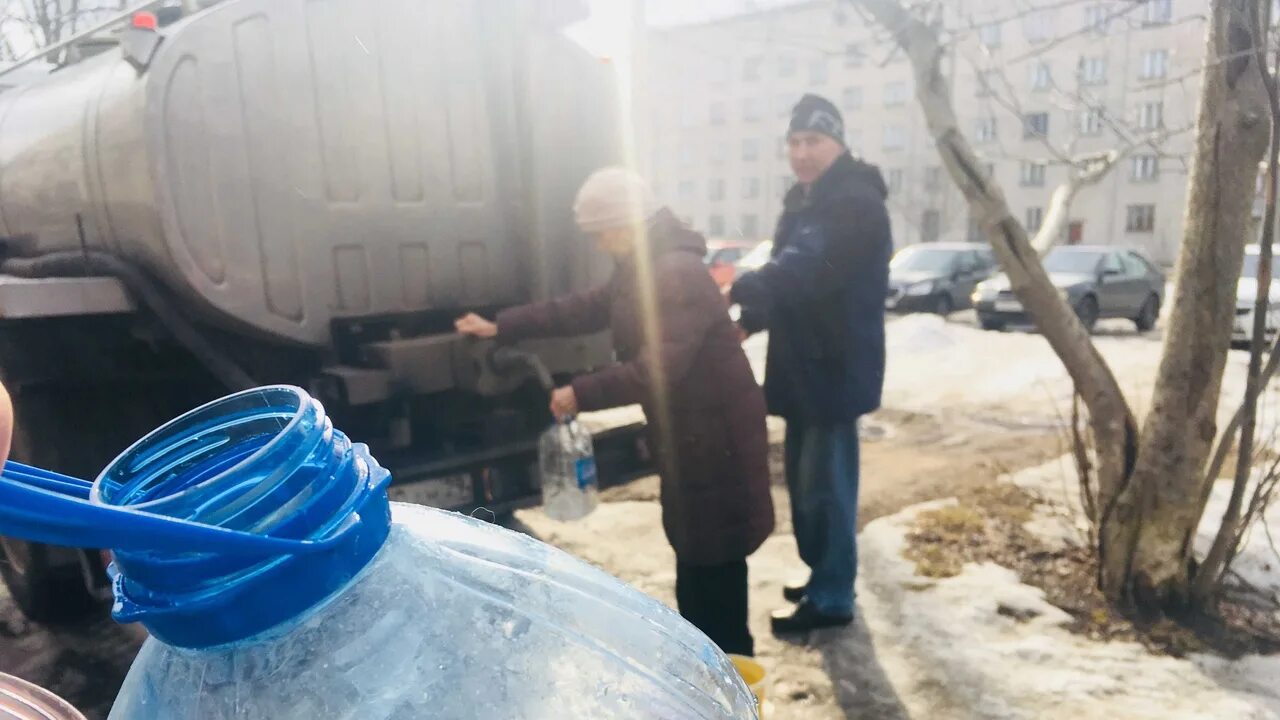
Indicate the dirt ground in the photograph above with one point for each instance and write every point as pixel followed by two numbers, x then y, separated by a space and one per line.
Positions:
pixel 907 458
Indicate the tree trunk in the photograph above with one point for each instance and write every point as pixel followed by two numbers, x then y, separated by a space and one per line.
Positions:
pixel 1142 544
pixel 1111 421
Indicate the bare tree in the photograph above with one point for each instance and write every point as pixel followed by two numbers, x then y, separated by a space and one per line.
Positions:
pixel 1149 479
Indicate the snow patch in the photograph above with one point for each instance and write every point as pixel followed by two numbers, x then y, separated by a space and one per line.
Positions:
pixel 1019 662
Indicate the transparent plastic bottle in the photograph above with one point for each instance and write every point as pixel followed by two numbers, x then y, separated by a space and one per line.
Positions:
pixel 570 489
pixel 256 544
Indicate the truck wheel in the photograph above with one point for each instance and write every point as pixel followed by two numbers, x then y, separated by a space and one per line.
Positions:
pixel 44 590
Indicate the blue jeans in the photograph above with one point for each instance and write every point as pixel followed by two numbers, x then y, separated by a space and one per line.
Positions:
pixel 822 475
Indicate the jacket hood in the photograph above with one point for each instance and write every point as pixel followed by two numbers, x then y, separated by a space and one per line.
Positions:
pixel 668 234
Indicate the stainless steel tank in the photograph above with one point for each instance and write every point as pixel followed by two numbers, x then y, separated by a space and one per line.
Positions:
pixel 286 162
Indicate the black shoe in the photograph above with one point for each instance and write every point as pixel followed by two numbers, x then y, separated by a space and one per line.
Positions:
pixel 804 617
pixel 793 593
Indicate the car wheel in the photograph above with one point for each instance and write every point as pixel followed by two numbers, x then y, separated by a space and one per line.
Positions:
pixel 1148 315
pixel 1087 311
pixel 943 305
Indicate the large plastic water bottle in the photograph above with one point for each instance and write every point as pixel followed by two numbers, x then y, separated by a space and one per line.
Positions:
pixel 256 544
pixel 570 490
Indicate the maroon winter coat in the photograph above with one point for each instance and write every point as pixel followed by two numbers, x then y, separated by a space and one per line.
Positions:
pixel 710 443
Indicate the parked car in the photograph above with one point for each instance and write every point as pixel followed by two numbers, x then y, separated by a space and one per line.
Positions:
pixel 1247 291
pixel 722 259
pixel 1098 281
pixel 937 277
pixel 755 259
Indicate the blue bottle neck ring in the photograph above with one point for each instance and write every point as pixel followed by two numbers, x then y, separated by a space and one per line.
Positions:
pixel 267 462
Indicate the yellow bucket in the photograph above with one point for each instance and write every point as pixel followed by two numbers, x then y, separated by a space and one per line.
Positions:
pixel 753 673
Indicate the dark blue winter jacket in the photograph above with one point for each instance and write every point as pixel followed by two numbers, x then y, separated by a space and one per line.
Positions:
pixel 822 297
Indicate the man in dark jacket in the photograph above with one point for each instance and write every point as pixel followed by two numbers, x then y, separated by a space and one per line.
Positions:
pixel 821 298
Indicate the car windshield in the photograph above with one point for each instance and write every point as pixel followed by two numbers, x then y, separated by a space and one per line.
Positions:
pixel 1073 261
pixel 1251 263
pixel 924 260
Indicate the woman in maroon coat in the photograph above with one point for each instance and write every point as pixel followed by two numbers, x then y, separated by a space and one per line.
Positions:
pixel 680 357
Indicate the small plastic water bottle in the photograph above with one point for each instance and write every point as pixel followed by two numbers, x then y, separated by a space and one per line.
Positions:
pixel 256 544
pixel 570 489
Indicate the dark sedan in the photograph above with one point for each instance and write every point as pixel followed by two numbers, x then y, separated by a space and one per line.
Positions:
pixel 936 277
pixel 1099 282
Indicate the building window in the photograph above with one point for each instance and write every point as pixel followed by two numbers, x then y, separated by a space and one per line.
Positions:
pixel 1035 218
pixel 818 71
pixel 686 189
pixel 1035 125
pixel 750 226
pixel 717 113
pixel 719 153
pixel 975 233
pixel 786 66
pixel 1157 12
pixel 1151 116
pixel 685 154
pixel 750 151
pixel 688 115
pixel 1140 218
pixel 1032 174
pixel 989 35
pixel 751 68
pixel 895 137
pixel 933 178
pixel 895 93
pixel 750 188
pixel 851 98
pixel 715 225
pixel 1144 168
pixel 1155 65
pixel 715 189
pixel 985 130
pixel 1095 18
pixel 1093 71
pixel 1041 76
pixel 854 56
pixel 895 180
pixel 1091 121
pixel 930 226
pixel 750 109
pixel 1038 26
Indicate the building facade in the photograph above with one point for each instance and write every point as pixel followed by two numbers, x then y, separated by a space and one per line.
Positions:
pixel 1035 84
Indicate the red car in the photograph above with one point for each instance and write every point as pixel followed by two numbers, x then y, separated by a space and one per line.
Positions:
pixel 722 259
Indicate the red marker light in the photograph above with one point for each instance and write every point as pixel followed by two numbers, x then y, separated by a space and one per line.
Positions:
pixel 145 21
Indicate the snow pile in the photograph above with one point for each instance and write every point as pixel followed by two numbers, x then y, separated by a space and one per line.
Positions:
pixel 988 664
pixel 1258 564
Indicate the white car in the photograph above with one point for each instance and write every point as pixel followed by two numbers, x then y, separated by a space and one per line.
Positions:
pixel 1246 294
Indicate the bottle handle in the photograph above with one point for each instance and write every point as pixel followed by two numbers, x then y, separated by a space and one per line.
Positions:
pixel 43 506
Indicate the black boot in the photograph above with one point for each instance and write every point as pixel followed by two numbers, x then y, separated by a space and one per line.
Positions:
pixel 804 617
pixel 793 593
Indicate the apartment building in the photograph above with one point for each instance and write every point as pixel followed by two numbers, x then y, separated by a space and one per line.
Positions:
pixel 1035 84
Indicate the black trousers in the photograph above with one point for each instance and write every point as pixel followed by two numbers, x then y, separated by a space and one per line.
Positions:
pixel 714 599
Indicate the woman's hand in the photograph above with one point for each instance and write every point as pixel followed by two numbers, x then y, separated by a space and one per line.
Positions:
pixel 564 402
pixel 476 326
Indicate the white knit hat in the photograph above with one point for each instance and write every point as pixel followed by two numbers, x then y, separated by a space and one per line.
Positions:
pixel 613 197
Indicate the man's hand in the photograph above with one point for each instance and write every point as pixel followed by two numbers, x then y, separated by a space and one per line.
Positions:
pixel 475 326
pixel 564 402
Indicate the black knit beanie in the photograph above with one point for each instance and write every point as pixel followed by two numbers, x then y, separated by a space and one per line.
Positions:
pixel 815 113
